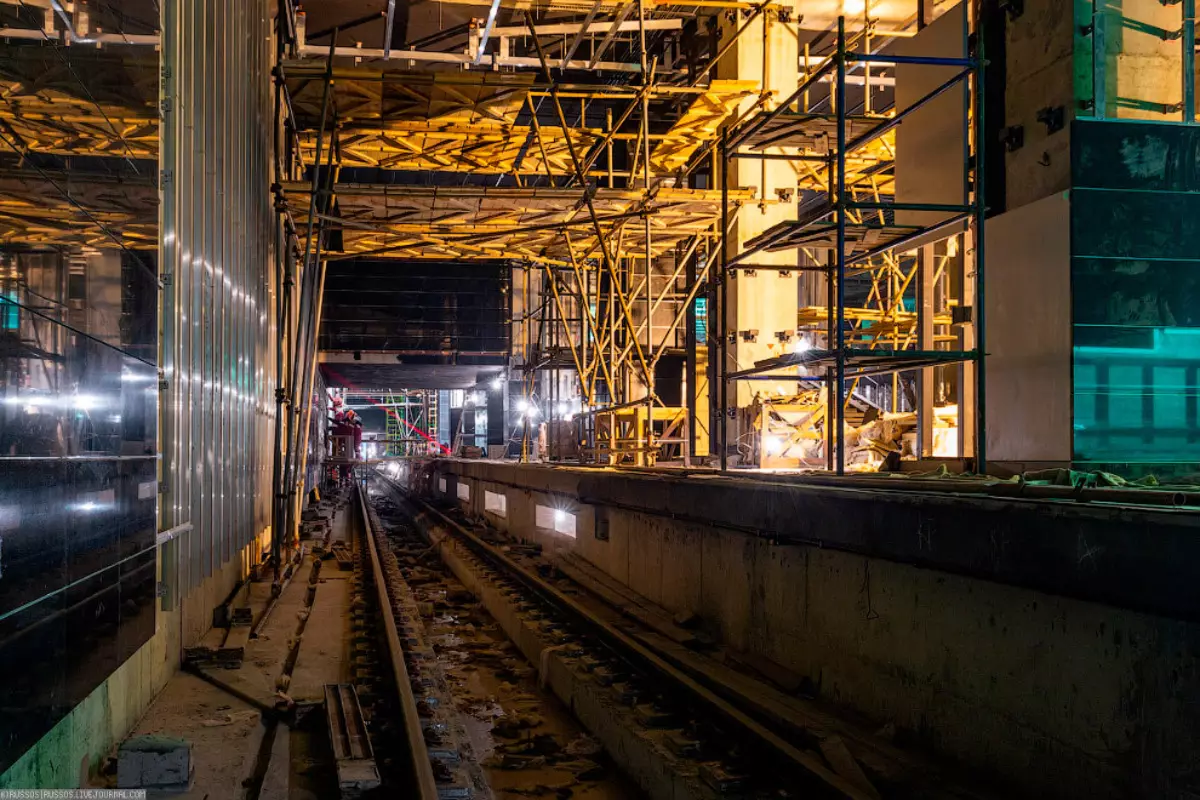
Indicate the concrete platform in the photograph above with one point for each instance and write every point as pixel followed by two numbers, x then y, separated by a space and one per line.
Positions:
pixel 1051 643
pixel 1134 557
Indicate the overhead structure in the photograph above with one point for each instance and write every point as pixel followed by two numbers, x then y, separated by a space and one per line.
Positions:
pixel 604 152
pixel 546 225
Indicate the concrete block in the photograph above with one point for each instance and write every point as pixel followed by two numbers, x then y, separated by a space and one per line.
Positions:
pixel 154 762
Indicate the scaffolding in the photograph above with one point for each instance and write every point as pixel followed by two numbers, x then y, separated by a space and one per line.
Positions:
pixel 604 203
pixel 623 299
pixel 410 427
pixel 850 228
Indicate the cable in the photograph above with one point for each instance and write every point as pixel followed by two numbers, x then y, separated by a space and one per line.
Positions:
pixel 67 196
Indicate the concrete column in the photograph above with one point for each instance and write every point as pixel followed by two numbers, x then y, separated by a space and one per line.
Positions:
pixel 1143 60
pixel 926 378
pixel 761 312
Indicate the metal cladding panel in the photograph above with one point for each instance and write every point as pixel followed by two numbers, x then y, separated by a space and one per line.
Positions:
pixel 1135 291
pixel 218 336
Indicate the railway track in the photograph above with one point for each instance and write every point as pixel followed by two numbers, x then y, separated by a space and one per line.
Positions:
pixel 674 718
pixel 381 669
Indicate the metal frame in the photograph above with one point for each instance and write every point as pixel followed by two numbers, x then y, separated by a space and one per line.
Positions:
pixel 857 233
pixel 603 304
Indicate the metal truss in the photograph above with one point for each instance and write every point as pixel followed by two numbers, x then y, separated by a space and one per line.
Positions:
pixel 593 203
pixel 93 103
pixel 34 213
pixel 591 189
pixel 543 225
pixel 486 123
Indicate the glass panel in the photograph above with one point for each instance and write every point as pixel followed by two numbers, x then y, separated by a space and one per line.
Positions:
pixel 1135 285
pixel 1133 60
pixel 78 347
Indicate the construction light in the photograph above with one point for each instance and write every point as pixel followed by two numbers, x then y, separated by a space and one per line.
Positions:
pixel 773 445
pixel 801 345
pixel 497 383
pixel 561 409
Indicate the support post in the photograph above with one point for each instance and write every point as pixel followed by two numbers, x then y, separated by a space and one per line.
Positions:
pixel 980 239
pixel 282 287
pixel 838 415
pixel 648 81
pixel 720 428
pixel 1189 60
pixel 690 365
pixel 926 378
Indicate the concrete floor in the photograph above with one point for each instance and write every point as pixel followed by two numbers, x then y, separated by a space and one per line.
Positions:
pixel 228 735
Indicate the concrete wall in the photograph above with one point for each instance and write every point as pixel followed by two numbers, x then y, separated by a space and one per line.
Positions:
pixel 1043 50
pixel 1052 695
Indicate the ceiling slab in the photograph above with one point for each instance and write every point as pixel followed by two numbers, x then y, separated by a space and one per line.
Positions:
pixel 405 376
pixel 535 223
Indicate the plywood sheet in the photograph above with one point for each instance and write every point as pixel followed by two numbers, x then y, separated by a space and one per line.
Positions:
pixel 1028 299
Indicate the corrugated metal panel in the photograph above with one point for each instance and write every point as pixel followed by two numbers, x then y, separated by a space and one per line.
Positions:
pixel 218 331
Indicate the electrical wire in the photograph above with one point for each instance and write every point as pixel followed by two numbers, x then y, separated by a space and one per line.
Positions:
pixel 67 196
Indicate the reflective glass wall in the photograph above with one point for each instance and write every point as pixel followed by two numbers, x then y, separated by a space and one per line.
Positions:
pixel 135 143
pixel 1135 286
pixel 78 351
pixel 78 487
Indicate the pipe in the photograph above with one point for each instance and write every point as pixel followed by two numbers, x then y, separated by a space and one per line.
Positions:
pixel 277 510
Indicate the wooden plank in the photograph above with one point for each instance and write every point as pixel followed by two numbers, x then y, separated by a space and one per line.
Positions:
pixel 233 650
pixel 844 764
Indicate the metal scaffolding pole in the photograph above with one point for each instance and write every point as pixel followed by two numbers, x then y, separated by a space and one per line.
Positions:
pixel 980 209
pixel 303 340
pixel 720 428
pixel 282 289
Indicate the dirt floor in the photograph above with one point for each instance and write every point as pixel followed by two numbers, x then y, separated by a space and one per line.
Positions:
pixel 524 739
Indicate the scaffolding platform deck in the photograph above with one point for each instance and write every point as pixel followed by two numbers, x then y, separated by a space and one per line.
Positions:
pixel 859 363
pixel 807 131
pixel 865 237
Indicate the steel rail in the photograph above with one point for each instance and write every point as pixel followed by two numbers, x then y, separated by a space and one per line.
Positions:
pixel 418 754
pixel 824 781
